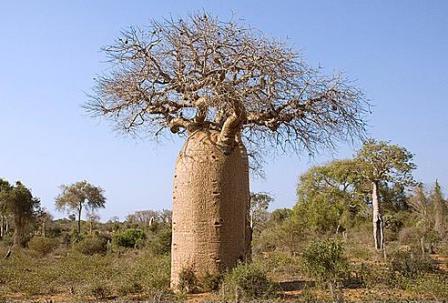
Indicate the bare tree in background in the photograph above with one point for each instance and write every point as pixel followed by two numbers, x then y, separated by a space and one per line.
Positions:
pixel 225 87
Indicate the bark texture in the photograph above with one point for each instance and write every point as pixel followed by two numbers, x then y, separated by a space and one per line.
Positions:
pixel 210 203
pixel 378 230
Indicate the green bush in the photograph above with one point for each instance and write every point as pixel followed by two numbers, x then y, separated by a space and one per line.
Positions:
pixel 325 261
pixel 247 281
pixel 92 245
pixel 160 244
pixel 410 265
pixel 131 238
pixel 42 245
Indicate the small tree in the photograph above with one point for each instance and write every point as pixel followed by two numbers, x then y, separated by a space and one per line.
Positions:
pixel 92 218
pixel 325 261
pixel 80 195
pixel 19 201
pixel 328 196
pixel 43 218
pixel 258 212
pixel 424 215
pixel 440 210
pixel 382 162
pixel 4 213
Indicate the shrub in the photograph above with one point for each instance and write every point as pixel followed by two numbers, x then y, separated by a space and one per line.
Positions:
pixel 160 244
pixel 371 276
pixel 92 245
pixel 42 245
pixel 247 281
pixel 325 261
pixel 129 238
pixel 188 281
pixel 410 265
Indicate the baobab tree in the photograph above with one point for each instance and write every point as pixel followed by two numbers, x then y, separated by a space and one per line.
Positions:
pixel 380 163
pixel 80 195
pixel 225 88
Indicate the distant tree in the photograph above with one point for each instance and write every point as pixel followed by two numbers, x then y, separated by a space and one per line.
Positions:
pixel 80 195
pixel 329 196
pixel 92 218
pixel 280 215
pixel 43 218
pixel 440 210
pixel 380 162
pixel 4 213
pixel 19 201
pixel 143 217
pixel 258 212
pixel 166 216
pixel 421 206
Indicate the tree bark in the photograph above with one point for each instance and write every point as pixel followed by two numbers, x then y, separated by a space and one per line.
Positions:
pixel 378 225
pixel 210 204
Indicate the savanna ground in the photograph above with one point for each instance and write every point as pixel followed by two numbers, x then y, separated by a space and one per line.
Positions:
pixel 136 267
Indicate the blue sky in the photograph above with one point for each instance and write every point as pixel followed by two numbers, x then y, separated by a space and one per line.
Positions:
pixel 49 55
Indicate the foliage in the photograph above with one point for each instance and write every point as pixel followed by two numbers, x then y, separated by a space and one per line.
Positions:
pixel 160 243
pixel 247 281
pixel 82 276
pixel 92 245
pixel 440 210
pixel 258 210
pixel 410 265
pixel 19 201
pixel 80 195
pixel 329 199
pixel 129 238
pixel 280 215
pixel 325 261
pixel 42 245
pixel 384 162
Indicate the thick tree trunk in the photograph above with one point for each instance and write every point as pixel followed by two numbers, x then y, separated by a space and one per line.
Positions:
pixel 210 205
pixel 378 226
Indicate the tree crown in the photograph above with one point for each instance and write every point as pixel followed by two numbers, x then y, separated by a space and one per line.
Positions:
pixel 200 73
pixel 80 194
pixel 381 161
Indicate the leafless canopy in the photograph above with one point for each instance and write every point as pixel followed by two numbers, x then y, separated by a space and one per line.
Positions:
pixel 200 73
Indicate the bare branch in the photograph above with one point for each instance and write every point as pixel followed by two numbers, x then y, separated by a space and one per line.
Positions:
pixel 201 73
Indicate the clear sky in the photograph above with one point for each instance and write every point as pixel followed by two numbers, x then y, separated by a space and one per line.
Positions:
pixel 49 54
